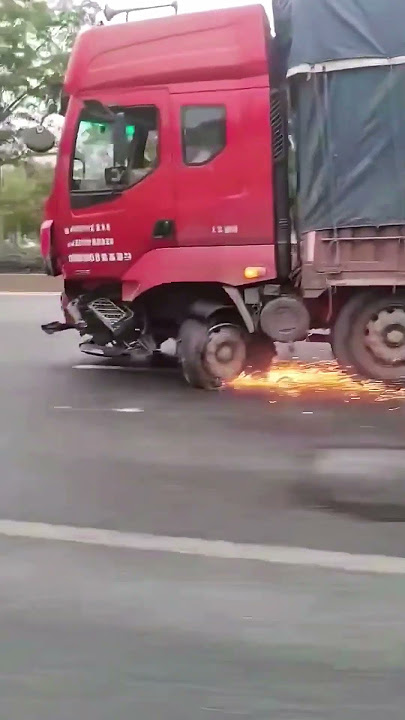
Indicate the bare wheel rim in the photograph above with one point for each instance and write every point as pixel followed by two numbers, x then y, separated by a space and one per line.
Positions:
pixel 224 355
pixel 385 336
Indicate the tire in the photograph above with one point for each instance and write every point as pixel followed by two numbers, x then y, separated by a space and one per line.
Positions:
pixel 369 336
pixel 261 353
pixel 199 347
pixel 341 331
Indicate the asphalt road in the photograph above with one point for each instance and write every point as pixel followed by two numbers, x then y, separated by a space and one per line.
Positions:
pixel 101 632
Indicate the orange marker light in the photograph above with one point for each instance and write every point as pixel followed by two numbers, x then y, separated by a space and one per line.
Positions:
pixel 251 273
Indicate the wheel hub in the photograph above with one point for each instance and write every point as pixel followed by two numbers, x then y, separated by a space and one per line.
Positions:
pixel 385 336
pixel 225 352
pixel 394 337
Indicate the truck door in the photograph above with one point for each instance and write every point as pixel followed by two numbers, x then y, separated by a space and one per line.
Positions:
pixel 112 219
pixel 222 165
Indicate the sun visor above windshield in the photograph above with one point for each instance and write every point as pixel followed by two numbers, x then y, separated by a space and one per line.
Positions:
pixel 221 44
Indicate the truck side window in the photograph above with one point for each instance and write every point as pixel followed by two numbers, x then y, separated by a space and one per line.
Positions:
pixel 203 132
pixel 94 149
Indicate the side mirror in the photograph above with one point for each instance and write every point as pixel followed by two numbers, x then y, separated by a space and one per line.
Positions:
pixel 115 176
pixel 79 169
pixel 39 139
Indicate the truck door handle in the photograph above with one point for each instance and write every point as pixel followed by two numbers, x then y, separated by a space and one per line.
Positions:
pixel 163 229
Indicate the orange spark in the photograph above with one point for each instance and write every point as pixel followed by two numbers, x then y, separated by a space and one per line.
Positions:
pixel 321 379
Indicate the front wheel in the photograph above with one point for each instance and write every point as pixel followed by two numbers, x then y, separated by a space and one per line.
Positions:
pixel 369 336
pixel 211 354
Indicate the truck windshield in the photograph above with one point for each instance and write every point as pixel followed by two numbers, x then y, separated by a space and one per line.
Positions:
pixel 94 149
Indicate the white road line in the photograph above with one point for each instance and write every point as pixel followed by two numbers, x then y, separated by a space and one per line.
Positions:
pixel 123 368
pixel 102 367
pixel 116 410
pixel 127 410
pixel 271 554
pixel 31 274
pixel 30 293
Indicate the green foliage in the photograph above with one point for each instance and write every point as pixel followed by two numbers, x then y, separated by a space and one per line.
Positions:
pixel 36 38
pixel 35 43
pixel 34 49
pixel 24 190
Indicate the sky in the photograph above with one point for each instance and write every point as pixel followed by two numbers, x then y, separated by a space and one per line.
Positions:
pixel 185 6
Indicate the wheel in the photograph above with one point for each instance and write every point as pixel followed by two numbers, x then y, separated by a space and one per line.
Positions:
pixel 341 331
pixel 261 352
pixel 374 332
pixel 211 355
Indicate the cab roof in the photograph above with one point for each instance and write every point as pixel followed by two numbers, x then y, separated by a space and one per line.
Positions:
pixel 215 45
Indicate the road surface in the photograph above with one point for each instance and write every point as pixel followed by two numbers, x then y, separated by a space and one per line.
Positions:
pixel 102 631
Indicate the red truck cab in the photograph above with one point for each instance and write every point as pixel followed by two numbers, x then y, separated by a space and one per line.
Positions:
pixel 198 203
pixel 163 198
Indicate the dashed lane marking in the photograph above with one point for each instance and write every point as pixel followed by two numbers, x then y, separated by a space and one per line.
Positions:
pixel 96 409
pixel 122 368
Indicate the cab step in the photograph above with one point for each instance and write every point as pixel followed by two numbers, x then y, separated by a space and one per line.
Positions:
pixel 113 317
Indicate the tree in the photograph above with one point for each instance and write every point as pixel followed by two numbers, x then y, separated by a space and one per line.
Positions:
pixel 35 43
pixel 88 9
pixel 33 53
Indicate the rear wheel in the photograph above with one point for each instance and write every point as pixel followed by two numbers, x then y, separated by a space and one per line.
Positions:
pixel 341 332
pixel 369 336
pixel 211 354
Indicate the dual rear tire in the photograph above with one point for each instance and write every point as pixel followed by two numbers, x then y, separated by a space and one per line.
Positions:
pixel 368 337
